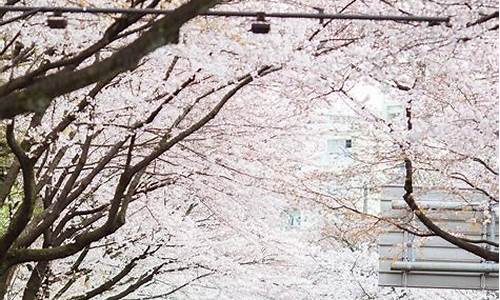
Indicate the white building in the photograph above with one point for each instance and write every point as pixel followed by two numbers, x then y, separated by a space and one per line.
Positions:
pixel 335 141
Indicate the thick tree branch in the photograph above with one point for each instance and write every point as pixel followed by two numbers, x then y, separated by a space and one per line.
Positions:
pixel 38 96
pixel 25 211
pixel 111 34
pixel 461 243
pixel 484 19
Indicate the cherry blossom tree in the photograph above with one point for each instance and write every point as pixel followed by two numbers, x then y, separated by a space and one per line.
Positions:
pixel 143 170
pixel 446 134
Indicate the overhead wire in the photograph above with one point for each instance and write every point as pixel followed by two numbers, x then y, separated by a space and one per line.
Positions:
pixel 217 13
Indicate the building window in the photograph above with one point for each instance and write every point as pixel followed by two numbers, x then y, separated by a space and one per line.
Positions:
pixel 294 218
pixel 339 146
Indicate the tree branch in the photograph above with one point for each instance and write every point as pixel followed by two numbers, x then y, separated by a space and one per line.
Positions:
pixel 461 243
pixel 108 285
pixel 25 211
pixel 38 96
pixel 484 19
